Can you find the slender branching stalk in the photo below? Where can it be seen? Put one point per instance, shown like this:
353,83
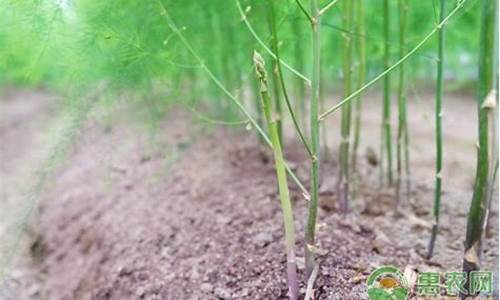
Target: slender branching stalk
343,188
402,105
386,135
263,45
327,7
410,53
284,194
210,74
439,134
276,85
281,80
478,207
406,147
361,51
300,102
277,100
304,10
315,146
374,39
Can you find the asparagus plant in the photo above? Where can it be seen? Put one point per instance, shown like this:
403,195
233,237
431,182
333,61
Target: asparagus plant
276,89
402,105
386,144
493,100
343,190
315,19
282,178
353,95
439,134
361,52
300,102
478,207
277,70
177,31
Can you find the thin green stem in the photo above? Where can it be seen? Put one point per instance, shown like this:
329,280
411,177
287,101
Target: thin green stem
263,45
478,207
175,29
402,106
386,111
343,188
210,120
300,102
361,78
304,10
439,135
493,182
327,7
284,193
315,146
374,39
352,96
279,72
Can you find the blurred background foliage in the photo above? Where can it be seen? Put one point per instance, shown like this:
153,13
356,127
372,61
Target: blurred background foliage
76,44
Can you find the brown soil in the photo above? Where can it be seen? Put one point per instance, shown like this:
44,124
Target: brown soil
191,212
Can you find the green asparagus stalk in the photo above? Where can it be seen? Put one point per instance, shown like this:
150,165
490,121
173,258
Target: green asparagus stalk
402,106
478,207
361,47
284,194
386,112
343,189
275,84
439,134
315,146
300,102
280,78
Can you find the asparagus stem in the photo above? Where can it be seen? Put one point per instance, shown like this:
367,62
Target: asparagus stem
274,74
279,74
402,108
493,182
439,134
263,45
300,102
304,10
177,31
284,193
386,112
315,164
361,78
327,7
353,95
343,189
478,207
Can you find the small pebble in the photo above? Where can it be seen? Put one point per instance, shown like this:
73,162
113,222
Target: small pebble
263,239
